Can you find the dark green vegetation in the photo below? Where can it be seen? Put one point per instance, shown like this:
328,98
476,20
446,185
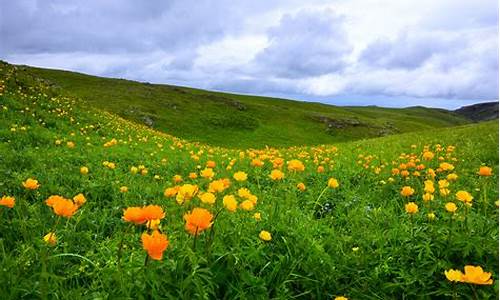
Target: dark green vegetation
480,112
364,247
242,121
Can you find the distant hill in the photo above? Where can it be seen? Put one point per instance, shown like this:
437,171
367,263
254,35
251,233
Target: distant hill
480,112
232,120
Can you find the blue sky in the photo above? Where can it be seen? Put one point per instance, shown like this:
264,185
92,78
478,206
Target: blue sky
358,52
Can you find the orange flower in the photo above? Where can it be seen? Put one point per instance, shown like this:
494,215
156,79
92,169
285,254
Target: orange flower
411,208
296,165
407,191
301,186
134,215
197,220
211,164
152,212
485,171
155,244
476,275
276,175
51,201
31,184
65,208
7,201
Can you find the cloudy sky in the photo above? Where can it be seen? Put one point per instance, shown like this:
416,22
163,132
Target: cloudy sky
347,52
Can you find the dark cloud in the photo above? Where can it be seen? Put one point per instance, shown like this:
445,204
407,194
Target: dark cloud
308,43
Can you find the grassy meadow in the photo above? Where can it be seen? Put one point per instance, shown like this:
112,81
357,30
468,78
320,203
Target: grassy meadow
236,121
97,206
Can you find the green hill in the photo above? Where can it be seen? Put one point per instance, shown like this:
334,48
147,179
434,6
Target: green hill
241,121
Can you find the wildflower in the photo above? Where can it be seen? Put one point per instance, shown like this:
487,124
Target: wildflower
247,205
50,238
134,170
428,155
152,212
265,236
296,165
208,198
84,170
197,220
170,192
123,189
450,207
411,208
405,173
464,196
320,169
64,208
301,186
429,186
454,275
153,224
340,298
257,216
257,162
240,176
155,244
70,144
485,171
79,199
407,191
476,275
193,175
211,164
230,203
333,183
244,193
144,172
186,193
177,178
216,186
446,166
431,216
7,201
134,215
207,173
276,175
428,197
452,177
31,184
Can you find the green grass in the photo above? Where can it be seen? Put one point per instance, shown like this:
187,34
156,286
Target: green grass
241,121
311,254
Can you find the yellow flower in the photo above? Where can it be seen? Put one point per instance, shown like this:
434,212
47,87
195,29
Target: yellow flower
276,175
452,177
444,192
443,183
333,183
431,216
186,193
79,199
407,191
171,191
84,170
464,196
450,207
411,208
31,184
257,163
247,205
134,170
230,203
123,189
208,198
485,171
244,193
70,144
301,186
207,173
429,186
257,216
428,197
428,155
240,176
454,275
341,298
476,275
193,175
216,186
177,178
446,166
296,165
265,236
50,238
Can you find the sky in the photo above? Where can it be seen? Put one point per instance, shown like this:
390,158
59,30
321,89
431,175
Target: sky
346,52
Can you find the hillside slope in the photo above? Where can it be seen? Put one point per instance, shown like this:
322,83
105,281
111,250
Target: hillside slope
241,121
479,112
